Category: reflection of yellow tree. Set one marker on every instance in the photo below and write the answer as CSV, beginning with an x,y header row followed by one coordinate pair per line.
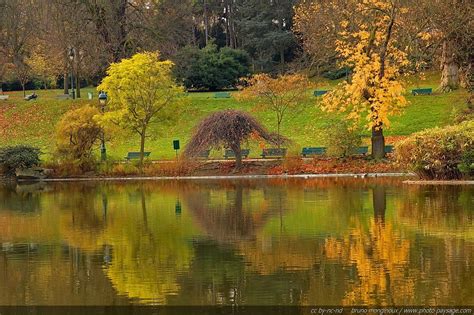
x,y
381,258
151,247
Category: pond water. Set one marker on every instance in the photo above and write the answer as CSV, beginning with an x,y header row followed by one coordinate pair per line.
x,y
247,242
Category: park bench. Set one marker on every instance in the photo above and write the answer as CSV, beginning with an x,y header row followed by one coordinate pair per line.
x,y
313,151
222,95
230,153
320,92
204,154
388,149
4,97
362,150
426,91
136,155
273,152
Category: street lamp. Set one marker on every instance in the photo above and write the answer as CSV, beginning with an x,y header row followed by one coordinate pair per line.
x,y
72,55
103,102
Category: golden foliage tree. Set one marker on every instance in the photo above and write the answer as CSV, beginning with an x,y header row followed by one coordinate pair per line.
x,y
367,43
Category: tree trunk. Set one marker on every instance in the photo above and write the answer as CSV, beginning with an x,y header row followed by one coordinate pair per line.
x,y
238,156
23,87
142,148
66,83
206,22
78,84
449,68
378,143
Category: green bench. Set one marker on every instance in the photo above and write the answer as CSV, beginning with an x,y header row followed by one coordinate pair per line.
x,y
222,95
426,91
230,153
313,151
136,155
362,150
273,152
320,92
388,149
204,154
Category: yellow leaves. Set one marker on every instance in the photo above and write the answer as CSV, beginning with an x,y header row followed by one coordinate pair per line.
x,y
140,89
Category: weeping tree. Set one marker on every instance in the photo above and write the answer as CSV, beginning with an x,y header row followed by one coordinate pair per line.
x,y
228,128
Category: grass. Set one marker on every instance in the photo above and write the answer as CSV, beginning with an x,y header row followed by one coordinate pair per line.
x,y
33,122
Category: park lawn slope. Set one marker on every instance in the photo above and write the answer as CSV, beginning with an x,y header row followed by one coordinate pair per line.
x,y
33,122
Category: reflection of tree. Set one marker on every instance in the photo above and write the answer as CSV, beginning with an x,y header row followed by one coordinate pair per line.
x,y
54,275
150,249
381,257
23,199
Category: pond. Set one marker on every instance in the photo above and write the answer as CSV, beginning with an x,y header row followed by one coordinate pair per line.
x,y
339,241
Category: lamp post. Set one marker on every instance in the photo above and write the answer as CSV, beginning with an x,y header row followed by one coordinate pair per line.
x,y
72,55
103,102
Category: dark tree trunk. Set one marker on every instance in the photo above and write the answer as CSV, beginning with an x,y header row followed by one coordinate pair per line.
x,y
78,85
66,83
378,143
206,22
238,156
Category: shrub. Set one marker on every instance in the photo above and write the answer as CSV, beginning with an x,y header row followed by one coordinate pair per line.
x,y
439,153
76,135
21,156
210,68
340,139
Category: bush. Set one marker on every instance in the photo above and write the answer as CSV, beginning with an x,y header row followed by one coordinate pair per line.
x,y
340,139
76,135
439,153
210,68
21,157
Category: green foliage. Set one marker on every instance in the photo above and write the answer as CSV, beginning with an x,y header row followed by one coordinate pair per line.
x,y
76,135
21,156
439,153
340,139
210,68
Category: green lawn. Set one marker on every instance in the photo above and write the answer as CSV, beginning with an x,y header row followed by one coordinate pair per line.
x,y
33,122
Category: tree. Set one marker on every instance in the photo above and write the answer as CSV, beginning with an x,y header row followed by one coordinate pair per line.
x,y
367,43
141,91
227,128
76,135
210,68
283,95
264,29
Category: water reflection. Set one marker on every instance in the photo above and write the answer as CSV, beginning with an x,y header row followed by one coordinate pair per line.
x,y
338,241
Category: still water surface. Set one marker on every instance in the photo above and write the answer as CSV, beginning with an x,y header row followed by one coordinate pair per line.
x,y
258,242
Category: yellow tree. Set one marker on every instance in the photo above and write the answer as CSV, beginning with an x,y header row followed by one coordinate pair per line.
x,y
141,91
282,95
367,43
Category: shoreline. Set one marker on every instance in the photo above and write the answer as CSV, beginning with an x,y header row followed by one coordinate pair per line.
x,y
218,177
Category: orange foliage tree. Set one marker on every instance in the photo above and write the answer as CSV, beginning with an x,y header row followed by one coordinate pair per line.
x,y
283,95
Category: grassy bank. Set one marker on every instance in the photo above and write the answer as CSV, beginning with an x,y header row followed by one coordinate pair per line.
x,y
33,122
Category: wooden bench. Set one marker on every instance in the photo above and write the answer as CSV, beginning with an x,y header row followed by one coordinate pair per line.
x,y
222,95
320,92
136,155
313,151
426,91
204,154
31,97
273,152
388,149
362,150
4,97
230,153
